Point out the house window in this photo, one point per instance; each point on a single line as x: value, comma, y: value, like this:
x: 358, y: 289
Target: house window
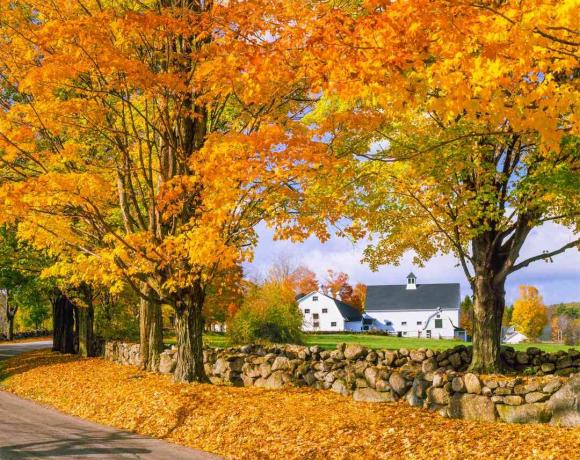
x: 404, y: 323
x: 325, y: 310
x: 388, y: 323
x: 438, y: 324
x: 438, y: 316
x: 419, y: 323
x: 307, y: 310
x: 333, y: 324
x: 365, y: 328
x: 315, y: 298
x: 404, y: 333
x: 315, y: 315
x: 316, y: 324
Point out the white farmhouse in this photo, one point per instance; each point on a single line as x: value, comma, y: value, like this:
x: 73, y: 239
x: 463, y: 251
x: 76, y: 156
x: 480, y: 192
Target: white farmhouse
x: 511, y: 336
x: 413, y: 310
x: 323, y: 313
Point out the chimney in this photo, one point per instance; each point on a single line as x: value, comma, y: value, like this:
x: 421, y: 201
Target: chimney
x: 411, y: 281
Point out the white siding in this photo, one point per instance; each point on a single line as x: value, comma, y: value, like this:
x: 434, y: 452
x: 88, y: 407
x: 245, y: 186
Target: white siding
x: 328, y: 319
x: 415, y: 323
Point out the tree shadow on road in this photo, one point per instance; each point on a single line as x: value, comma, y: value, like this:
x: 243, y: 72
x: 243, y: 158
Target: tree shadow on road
x: 31, y: 360
x: 82, y: 443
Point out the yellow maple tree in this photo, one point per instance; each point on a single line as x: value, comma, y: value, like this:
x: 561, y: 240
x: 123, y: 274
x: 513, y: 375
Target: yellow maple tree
x: 529, y: 316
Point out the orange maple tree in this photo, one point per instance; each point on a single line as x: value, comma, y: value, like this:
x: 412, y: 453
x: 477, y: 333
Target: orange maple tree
x: 142, y: 142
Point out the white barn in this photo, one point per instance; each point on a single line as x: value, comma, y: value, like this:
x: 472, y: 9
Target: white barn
x: 413, y: 310
x: 323, y: 313
x: 511, y: 336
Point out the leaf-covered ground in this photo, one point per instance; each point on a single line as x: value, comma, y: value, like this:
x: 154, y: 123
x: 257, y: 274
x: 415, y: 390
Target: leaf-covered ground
x: 257, y: 423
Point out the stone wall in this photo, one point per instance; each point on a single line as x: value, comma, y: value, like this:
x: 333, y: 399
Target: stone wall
x: 26, y: 334
x: 435, y: 380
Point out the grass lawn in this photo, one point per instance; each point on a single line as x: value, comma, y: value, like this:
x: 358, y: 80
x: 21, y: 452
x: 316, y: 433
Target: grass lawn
x: 329, y: 341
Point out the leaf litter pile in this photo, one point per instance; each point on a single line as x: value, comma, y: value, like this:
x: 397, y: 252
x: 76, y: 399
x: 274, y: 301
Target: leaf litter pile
x: 246, y: 423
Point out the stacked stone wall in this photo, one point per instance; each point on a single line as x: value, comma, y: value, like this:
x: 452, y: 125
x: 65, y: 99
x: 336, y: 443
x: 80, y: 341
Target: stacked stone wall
x: 436, y: 380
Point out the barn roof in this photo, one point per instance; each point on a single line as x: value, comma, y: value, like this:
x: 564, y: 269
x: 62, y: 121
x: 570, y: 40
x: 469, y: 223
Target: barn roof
x: 425, y: 296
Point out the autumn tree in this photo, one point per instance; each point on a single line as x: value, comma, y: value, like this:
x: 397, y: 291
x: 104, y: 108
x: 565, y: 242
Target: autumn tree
x: 460, y: 122
x: 284, y: 270
x: 144, y: 141
x: 529, y: 315
x: 224, y: 297
x: 358, y: 296
x: 269, y: 313
x: 304, y: 280
x: 466, y: 314
x: 566, y: 323
x: 336, y: 285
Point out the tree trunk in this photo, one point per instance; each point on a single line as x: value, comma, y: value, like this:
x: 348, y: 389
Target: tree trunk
x: 85, y: 317
x: 150, y: 333
x: 63, y: 325
x: 10, y: 334
x: 85, y: 330
x: 488, y: 313
x: 189, y: 331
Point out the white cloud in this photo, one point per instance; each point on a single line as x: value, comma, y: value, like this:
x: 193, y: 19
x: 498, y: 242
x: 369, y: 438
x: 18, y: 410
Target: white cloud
x: 558, y: 281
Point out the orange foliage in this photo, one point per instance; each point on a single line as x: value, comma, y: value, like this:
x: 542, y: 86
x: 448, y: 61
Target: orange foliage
x: 336, y: 285
x: 254, y: 423
x: 304, y: 280
x: 358, y: 297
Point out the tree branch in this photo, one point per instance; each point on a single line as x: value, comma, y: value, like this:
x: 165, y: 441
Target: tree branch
x: 545, y: 255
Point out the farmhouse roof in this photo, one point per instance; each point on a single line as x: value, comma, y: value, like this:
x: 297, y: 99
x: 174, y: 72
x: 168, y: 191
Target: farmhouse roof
x: 424, y: 297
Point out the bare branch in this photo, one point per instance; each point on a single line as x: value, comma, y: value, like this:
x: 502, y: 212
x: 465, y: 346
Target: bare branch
x: 545, y: 255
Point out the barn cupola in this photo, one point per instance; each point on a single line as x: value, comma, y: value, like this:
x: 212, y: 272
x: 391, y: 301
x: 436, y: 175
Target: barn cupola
x: 411, y: 281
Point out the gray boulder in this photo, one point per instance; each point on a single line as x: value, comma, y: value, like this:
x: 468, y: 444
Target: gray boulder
x: 354, y: 352
x: 437, y: 396
x: 166, y: 363
x: 340, y: 387
x: 281, y: 363
x: 371, y: 374
x: 458, y: 385
x: 565, y: 404
x: 429, y: 365
x: 418, y: 392
x: 390, y: 358
x: 455, y: 360
x: 277, y: 380
x: 398, y: 383
x: 472, y: 407
x: 552, y: 387
x: 513, y: 400
x: 548, y: 367
x: 536, y: 396
x: 526, y: 413
x: 472, y: 383
x: 370, y: 395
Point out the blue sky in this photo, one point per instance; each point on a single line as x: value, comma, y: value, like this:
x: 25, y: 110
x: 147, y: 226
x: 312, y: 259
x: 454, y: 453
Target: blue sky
x: 558, y: 281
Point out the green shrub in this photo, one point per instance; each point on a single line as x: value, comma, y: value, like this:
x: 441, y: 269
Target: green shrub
x: 269, y: 313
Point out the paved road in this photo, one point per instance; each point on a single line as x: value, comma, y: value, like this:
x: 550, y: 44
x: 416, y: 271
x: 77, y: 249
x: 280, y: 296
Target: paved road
x: 31, y: 431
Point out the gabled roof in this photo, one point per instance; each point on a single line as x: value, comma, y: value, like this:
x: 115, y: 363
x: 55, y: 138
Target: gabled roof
x: 348, y: 312
x: 425, y: 296
x: 411, y: 275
